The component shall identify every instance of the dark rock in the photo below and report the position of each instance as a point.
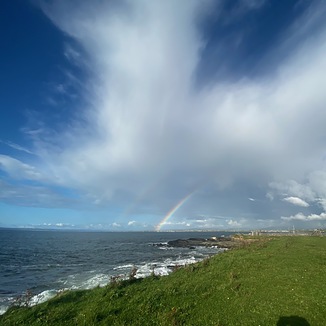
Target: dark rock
(221, 242)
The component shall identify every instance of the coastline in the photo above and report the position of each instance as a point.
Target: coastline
(47, 263)
(270, 280)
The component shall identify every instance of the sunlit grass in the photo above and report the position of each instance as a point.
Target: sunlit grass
(271, 282)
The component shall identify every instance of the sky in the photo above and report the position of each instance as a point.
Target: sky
(163, 115)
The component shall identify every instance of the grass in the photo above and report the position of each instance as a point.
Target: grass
(275, 282)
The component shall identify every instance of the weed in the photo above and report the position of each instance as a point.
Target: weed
(23, 300)
(115, 280)
(133, 272)
(176, 267)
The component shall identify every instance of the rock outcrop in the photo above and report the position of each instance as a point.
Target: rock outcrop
(220, 242)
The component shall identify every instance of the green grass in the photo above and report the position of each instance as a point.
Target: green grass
(276, 282)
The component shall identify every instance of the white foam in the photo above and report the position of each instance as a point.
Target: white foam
(123, 267)
(163, 268)
(162, 271)
(86, 281)
(3, 309)
(42, 297)
(146, 270)
(97, 280)
(5, 303)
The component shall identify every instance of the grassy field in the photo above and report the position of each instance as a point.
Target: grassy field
(276, 282)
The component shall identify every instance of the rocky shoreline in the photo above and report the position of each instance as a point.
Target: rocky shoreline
(218, 242)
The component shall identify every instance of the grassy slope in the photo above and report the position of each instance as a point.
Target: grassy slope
(255, 285)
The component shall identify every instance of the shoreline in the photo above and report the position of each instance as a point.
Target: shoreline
(273, 279)
(229, 242)
(122, 271)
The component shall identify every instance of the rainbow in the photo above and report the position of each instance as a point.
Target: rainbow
(172, 211)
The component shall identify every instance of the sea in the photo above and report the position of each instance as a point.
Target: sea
(44, 262)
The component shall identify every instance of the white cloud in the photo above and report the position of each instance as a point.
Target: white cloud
(19, 170)
(149, 130)
(294, 189)
(51, 225)
(312, 189)
(147, 114)
(296, 201)
(302, 217)
(176, 224)
(234, 223)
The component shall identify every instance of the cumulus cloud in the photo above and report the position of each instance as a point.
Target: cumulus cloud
(234, 223)
(311, 189)
(148, 129)
(293, 188)
(296, 201)
(302, 217)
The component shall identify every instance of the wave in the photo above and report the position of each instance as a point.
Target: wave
(123, 267)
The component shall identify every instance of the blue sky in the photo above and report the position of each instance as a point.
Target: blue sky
(118, 115)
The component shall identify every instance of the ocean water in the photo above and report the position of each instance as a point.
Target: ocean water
(46, 262)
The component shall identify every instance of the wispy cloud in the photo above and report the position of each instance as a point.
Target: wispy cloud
(19, 170)
(17, 147)
(36, 196)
